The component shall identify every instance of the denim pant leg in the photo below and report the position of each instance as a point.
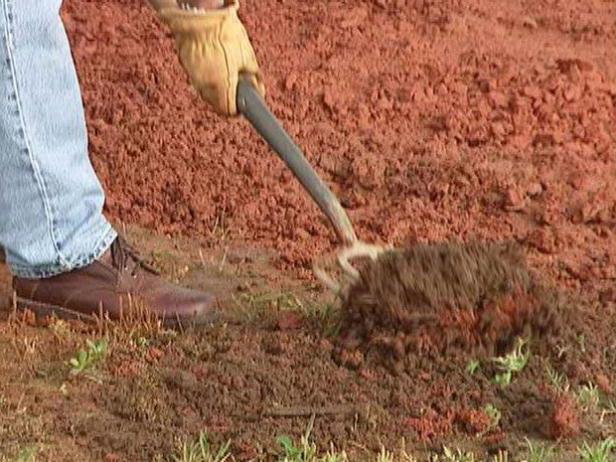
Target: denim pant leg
(51, 201)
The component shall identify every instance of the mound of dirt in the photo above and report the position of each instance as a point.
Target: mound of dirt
(431, 298)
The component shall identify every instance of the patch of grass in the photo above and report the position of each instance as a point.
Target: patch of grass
(512, 363)
(385, 456)
(473, 366)
(458, 455)
(558, 381)
(202, 451)
(581, 342)
(253, 307)
(600, 452)
(87, 360)
(256, 307)
(27, 454)
(609, 409)
(495, 417)
(539, 453)
(306, 450)
(588, 397)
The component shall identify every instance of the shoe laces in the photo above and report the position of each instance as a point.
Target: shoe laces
(126, 258)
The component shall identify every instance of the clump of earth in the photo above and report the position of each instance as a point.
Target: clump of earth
(435, 298)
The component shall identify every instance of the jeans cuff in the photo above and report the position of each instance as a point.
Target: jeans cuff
(102, 245)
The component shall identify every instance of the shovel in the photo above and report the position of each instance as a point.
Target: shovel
(252, 106)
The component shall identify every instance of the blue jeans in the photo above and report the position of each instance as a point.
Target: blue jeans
(51, 201)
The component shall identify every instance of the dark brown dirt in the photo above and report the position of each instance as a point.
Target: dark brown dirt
(432, 298)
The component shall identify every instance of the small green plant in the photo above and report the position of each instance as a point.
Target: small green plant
(513, 362)
(88, 359)
(582, 342)
(385, 456)
(142, 342)
(494, 414)
(457, 456)
(473, 366)
(598, 453)
(307, 450)
(588, 397)
(461, 456)
(201, 451)
(558, 381)
(539, 453)
(27, 454)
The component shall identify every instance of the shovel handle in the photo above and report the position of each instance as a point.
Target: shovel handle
(252, 106)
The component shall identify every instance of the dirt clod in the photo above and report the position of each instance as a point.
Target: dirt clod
(565, 419)
(437, 297)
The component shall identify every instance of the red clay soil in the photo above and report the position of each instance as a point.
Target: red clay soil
(431, 119)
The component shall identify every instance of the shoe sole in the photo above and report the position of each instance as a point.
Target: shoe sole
(47, 311)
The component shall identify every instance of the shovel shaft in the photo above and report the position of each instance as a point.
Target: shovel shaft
(251, 105)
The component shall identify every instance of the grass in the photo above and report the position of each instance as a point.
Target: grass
(473, 366)
(588, 397)
(87, 360)
(512, 363)
(458, 456)
(558, 381)
(495, 416)
(201, 450)
(27, 454)
(256, 307)
(539, 453)
(306, 450)
(600, 452)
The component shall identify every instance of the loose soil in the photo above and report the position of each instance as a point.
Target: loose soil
(432, 298)
(433, 120)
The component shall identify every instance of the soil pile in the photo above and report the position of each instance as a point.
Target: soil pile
(431, 298)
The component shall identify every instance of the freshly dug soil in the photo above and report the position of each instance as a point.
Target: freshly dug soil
(436, 297)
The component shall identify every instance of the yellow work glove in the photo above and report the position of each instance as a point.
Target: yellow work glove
(215, 51)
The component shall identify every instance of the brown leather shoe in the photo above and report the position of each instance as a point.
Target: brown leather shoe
(113, 285)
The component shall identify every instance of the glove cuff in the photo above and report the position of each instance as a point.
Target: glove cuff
(191, 21)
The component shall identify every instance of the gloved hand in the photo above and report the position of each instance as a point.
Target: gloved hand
(215, 51)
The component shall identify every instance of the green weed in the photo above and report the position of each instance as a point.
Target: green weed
(539, 453)
(588, 397)
(460, 456)
(27, 454)
(201, 451)
(598, 453)
(387, 456)
(457, 456)
(306, 450)
(558, 381)
(495, 416)
(513, 362)
(473, 366)
(86, 360)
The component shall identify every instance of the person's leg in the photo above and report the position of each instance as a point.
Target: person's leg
(51, 201)
(66, 258)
